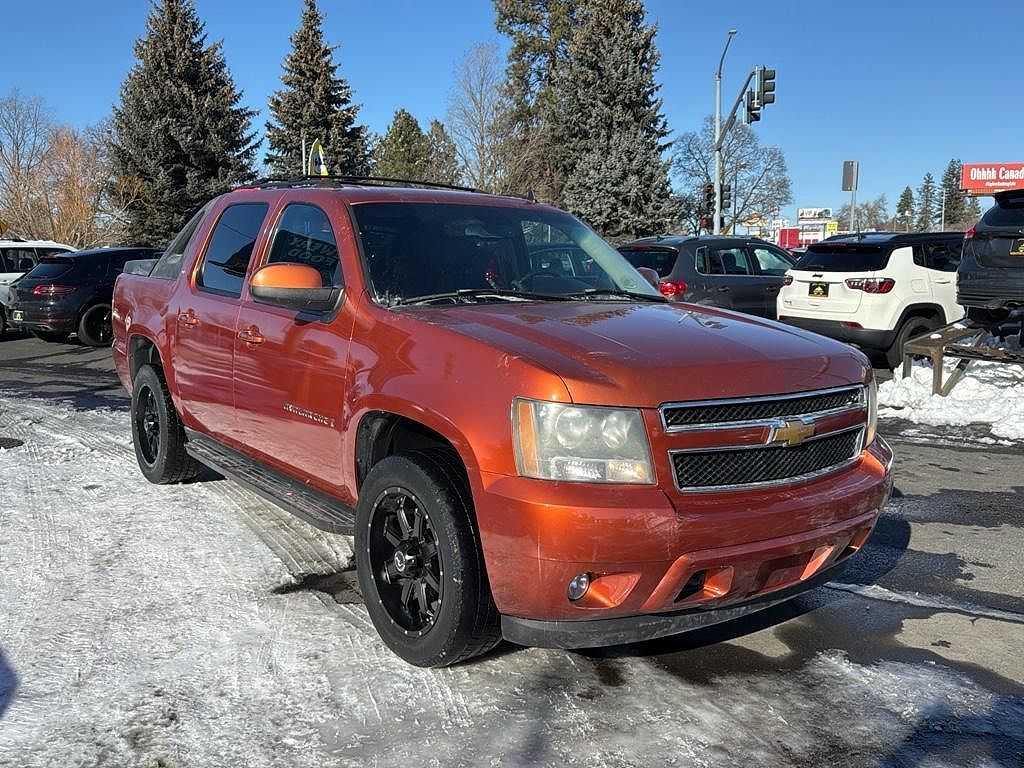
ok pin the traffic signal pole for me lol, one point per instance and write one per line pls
(717, 221)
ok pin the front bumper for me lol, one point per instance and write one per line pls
(663, 562)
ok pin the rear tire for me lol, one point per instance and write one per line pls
(157, 433)
(51, 337)
(94, 327)
(419, 562)
(912, 326)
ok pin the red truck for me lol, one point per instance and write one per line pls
(524, 437)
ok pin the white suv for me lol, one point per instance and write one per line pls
(16, 258)
(875, 290)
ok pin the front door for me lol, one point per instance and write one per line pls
(290, 366)
(206, 317)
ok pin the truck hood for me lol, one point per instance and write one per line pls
(614, 353)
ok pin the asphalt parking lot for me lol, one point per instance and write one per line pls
(911, 657)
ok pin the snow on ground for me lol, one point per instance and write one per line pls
(140, 626)
(990, 393)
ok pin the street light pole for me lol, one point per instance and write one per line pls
(716, 224)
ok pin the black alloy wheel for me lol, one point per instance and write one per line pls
(407, 565)
(419, 560)
(157, 434)
(94, 328)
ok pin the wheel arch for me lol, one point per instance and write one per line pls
(142, 350)
(382, 433)
(929, 310)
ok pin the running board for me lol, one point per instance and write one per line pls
(316, 508)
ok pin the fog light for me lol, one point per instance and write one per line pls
(578, 586)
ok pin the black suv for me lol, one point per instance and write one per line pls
(741, 273)
(990, 280)
(70, 293)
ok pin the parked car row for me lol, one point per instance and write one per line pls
(64, 291)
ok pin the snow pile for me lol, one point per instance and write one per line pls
(990, 393)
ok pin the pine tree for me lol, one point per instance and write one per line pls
(526, 155)
(404, 151)
(314, 104)
(179, 135)
(926, 204)
(956, 199)
(972, 212)
(608, 123)
(443, 165)
(905, 207)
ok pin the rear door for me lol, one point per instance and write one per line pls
(206, 311)
(730, 279)
(771, 264)
(941, 260)
(290, 366)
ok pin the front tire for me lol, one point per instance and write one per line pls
(912, 326)
(94, 329)
(419, 562)
(157, 433)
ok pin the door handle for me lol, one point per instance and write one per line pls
(944, 282)
(188, 318)
(723, 289)
(251, 335)
(772, 288)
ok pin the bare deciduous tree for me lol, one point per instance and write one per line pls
(56, 183)
(757, 175)
(474, 105)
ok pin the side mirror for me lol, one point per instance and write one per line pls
(293, 286)
(649, 275)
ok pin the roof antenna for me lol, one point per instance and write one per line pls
(529, 195)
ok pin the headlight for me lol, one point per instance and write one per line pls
(872, 398)
(555, 441)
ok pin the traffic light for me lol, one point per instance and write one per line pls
(753, 108)
(766, 86)
(725, 199)
(709, 198)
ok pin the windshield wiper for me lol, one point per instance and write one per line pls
(473, 295)
(616, 292)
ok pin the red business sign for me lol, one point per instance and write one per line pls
(988, 178)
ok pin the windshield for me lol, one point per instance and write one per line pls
(428, 249)
(843, 258)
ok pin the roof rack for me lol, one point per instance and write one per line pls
(340, 181)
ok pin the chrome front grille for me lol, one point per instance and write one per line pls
(686, 415)
(704, 470)
(740, 443)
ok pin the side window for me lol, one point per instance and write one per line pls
(304, 236)
(169, 264)
(770, 262)
(702, 261)
(19, 259)
(227, 256)
(919, 258)
(3, 261)
(944, 257)
(729, 261)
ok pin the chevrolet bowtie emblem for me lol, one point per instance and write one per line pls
(792, 432)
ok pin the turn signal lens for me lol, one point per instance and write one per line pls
(969, 234)
(871, 396)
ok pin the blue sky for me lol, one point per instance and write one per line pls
(902, 85)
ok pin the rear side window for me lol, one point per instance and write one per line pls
(169, 264)
(227, 256)
(304, 236)
(844, 258)
(661, 260)
(724, 261)
(18, 259)
(49, 269)
(944, 256)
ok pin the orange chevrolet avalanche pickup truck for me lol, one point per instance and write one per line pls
(525, 438)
